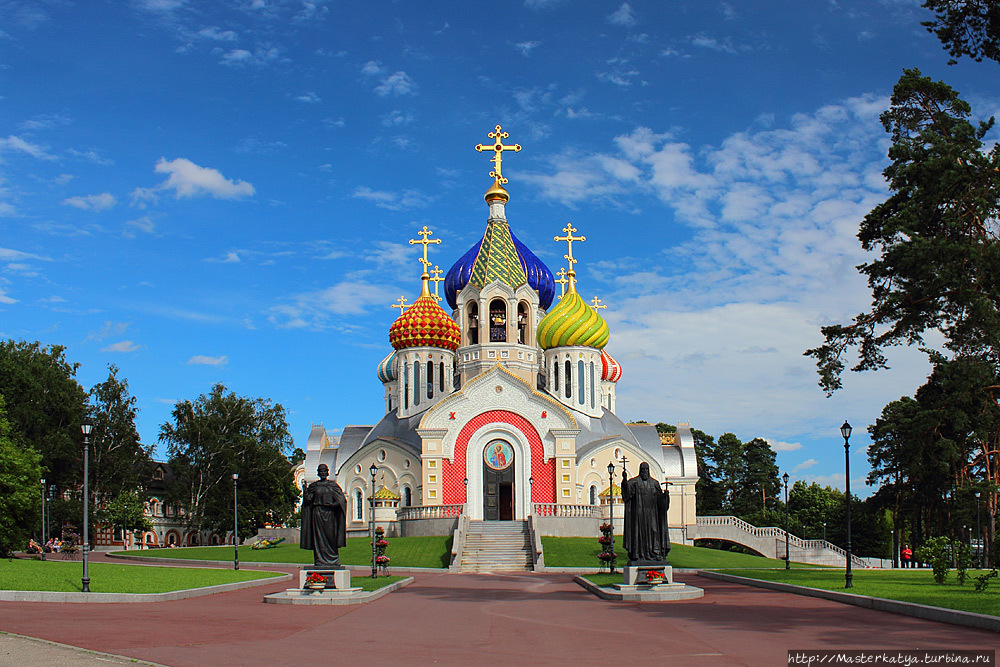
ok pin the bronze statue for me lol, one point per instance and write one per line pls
(647, 536)
(324, 519)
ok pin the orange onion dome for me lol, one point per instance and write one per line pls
(425, 324)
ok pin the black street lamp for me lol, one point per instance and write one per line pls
(465, 483)
(824, 531)
(236, 523)
(373, 470)
(44, 531)
(86, 427)
(979, 537)
(788, 563)
(845, 430)
(531, 495)
(611, 509)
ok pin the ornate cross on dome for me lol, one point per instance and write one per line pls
(401, 305)
(498, 148)
(562, 282)
(596, 304)
(569, 238)
(424, 277)
(436, 279)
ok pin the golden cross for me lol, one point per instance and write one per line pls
(436, 279)
(562, 282)
(424, 277)
(569, 238)
(401, 305)
(596, 304)
(498, 148)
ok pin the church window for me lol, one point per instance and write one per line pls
(592, 384)
(473, 320)
(406, 386)
(441, 376)
(593, 495)
(430, 379)
(569, 380)
(555, 377)
(407, 496)
(522, 322)
(498, 321)
(359, 505)
(416, 383)
(580, 380)
(158, 473)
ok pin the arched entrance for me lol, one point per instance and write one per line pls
(498, 481)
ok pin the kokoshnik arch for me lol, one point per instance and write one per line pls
(503, 407)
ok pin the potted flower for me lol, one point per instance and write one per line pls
(316, 581)
(654, 577)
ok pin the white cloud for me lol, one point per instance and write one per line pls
(202, 360)
(309, 97)
(18, 144)
(7, 210)
(263, 55)
(110, 329)
(526, 47)
(391, 201)
(623, 16)
(396, 118)
(6, 299)
(779, 446)
(187, 179)
(213, 33)
(808, 463)
(231, 258)
(90, 156)
(121, 346)
(101, 202)
(372, 68)
(396, 84)
(133, 227)
(325, 307)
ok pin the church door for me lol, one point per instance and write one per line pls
(498, 481)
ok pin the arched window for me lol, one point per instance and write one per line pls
(555, 378)
(472, 318)
(406, 386)
(592, 394)
(441, 376)
(498, 321)
(416, 383)
(569, 380)
(407, 496)
(580, 381)
(522, 322)
(359, 505)
(593, 495)
(430, 379)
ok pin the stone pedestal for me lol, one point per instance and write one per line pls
(636, 574)
(335, 579)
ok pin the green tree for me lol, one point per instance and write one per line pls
(966, 27)
(45, 405)
(728, 459)
(217, 435)
(935, 236)
(117, 460)
(20, 492)
(127, 511)
(709, 491)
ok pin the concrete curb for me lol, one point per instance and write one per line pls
(43, 651)
(677, 595)
(358, 598)
(590, 570)
(55, 596)
(955, 617)
(254, 564)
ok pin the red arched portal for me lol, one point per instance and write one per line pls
(544, 473)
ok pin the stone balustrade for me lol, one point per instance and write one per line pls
(429, 512)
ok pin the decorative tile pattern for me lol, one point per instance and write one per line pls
(544, 473)
(611, 370)
(424, 324)
(497, 258)
(572, 323)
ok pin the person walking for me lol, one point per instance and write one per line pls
(907, 556)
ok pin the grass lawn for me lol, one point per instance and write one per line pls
(582, 552)
(368, 584)
(904, 585)
(62, 576)
(433, 551)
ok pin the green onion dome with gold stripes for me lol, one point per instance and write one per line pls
(425, 324)
(572, 322)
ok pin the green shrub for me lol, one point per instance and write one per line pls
(963, 559)
(983, 580)
(937, 552)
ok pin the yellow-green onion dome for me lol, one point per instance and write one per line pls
(573, 323)
(385, 494)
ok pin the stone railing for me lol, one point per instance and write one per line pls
(778, 534)
(429, 512)
(554, 510)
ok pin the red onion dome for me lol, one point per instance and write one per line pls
(425, 324)
(611, 370)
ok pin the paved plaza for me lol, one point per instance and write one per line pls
(461, 619)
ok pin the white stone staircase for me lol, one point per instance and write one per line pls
(497, 546)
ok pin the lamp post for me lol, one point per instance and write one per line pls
(236, 523)
(373, 469)
(824, 531)
(845, 430)
(44, 531)
(611, 508)
(465, 483)
(979, 537)
(86, 427)
(788, 563)
(531, 495)
(125, 523)
(892, 532)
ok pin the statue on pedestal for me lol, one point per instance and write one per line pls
(324, 519)
(647, 535)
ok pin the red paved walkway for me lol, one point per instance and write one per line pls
(464, 619)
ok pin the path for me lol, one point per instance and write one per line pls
(459, 619)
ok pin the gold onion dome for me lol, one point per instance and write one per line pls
(497, 192)
(385, 494)
(424, 324)
(573, 323)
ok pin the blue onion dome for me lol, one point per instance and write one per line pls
(499, 255)
(387, 368)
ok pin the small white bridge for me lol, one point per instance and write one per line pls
(770, 541)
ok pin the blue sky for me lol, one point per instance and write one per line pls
(223, 192)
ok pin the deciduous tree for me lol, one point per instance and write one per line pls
(117, 460)
(20, 491)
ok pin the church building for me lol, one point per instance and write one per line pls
(502, 406)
